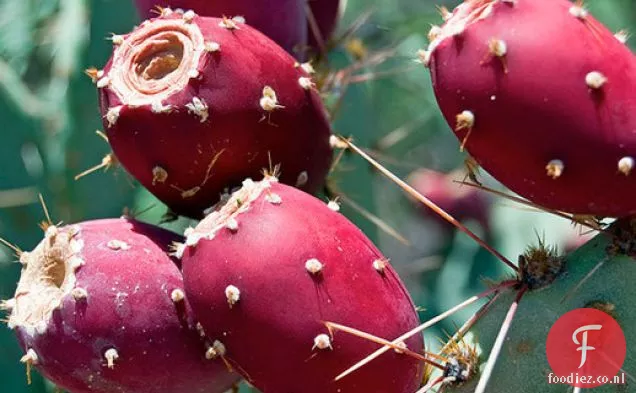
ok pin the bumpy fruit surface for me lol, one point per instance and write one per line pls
(192, 105)
(541, 94)
(100, 307)
(281, 20)
(268, 268)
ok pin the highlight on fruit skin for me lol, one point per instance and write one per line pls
(193, 105)
(100, 306)
(283, 21)
(550, 93)
(268, 269)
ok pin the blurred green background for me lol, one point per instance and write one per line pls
(49, 115)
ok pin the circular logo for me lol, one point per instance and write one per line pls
(586, 348)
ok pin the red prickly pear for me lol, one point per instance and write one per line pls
(193, 105)
(100, 307)
(268, 268)
(541, 94)
(281, 20)
(460, 201)
(326, 14)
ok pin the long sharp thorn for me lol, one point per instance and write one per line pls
(424, 326)
(524, 202)
(378, 340)
(583, 280)
(499, 341)
(375, 220)
(46, 210)
(430, 204)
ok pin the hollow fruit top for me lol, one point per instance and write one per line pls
(48, 275)
(155, 61)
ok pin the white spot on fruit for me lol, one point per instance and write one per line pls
(217, 349)
(434, 32)
(159, 107)
(380, 265)
(273, 198)
(333, 205)
(625, 165)
(497, 47)
(211, 46)
(555, 168)
(179, 249)
(111, 355)
(595, 80)
(322, 341)
(233, 295)
(305, 83)
(578, 11)
(229, 24)
(424, 57)
(307, 67)
(231, 224)
(269, 101)
(117, 245)
(622, 36)
(103, 82)
(30, 357)
(465, 120)
(402, 345)
(188, 16)
(79, 293)
(239, 19)
(113, 115)
(337, 143)
(117, 39)
(199, 108)
(314, 266)
(177, 295)
(159, 175)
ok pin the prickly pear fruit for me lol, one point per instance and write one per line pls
(325, 15)
(265, 271)
(100, 307)
(283, 21)
(193, 105)
(597, 275)
(461, 202)
(541, 94)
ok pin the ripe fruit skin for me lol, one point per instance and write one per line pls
(116, 299)
(193, 105)
(552, 96)
(281, 20)
(273, 272)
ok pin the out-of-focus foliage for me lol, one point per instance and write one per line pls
(49, 115)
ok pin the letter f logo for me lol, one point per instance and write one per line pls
(584, 347)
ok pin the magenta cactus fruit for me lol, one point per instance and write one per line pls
(281, 20)
(192, 105)
(323, 20)
(541, 94)
(100, 307)
(265, 271)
